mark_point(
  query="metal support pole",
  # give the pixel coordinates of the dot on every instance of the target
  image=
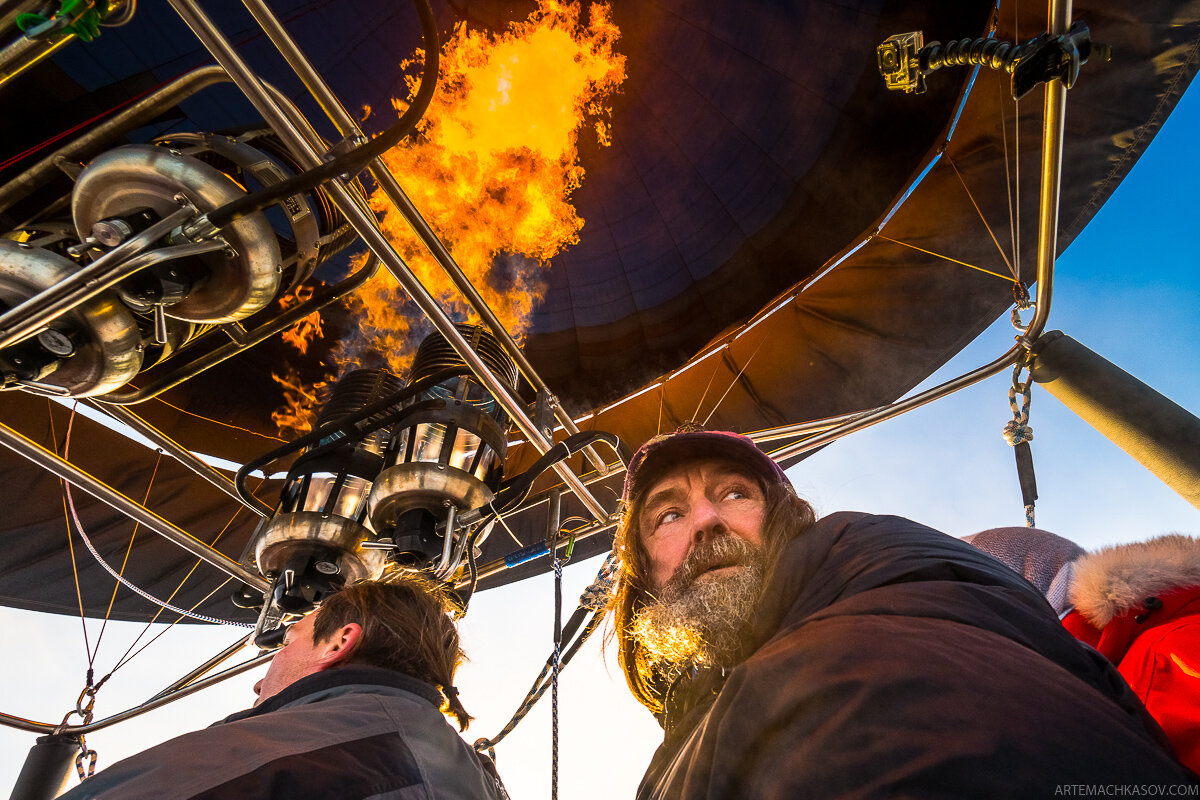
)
(206, 667)
(1052, 136)
(1054, 116)
(136, 511)
(367, 227)
(98, 136)
(308, 75)
(182, 455)
(11, 9)
(8, 720)
(24, 53)
(348, 126)
(805, 428)
(1161, 435)
(30, 316)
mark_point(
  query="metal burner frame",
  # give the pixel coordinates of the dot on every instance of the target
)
(294, 129)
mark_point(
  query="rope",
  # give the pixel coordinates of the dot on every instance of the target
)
(129, 548)
(595, 598)
(555, 668)
(130, 653)
(218, 422)
(71, 544)
(99, 560)
(1008, 184)
(1000, 275)
(1016, 190)
(537, 690)
(737, 377)
(711, 378)
(982, 218)
(662, 399)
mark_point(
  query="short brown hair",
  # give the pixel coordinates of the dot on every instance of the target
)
(786, 517)
(406, 627)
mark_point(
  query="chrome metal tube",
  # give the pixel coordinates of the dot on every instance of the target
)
(98, 136)
(206, 667)
(348, 126)
(44, 727)
(805, 428)
(448, 540)
(181, 454)
(114, 266)
(308, 75)
(367, 227)
(460, 549)
(887, 412)
(136, 511)
(24, 53)
(11, 9)
(1055, 112)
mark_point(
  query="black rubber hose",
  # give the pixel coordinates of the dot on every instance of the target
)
(512, 494)
(354, 160)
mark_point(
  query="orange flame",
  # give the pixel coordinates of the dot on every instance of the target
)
(495, 165)
(306, 329)
(493, 169)
(300, 403)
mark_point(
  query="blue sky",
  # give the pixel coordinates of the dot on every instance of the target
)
(1128, 288)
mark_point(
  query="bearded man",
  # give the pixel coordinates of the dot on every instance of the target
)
(854, 656)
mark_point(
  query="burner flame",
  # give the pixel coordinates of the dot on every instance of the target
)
(492, 169)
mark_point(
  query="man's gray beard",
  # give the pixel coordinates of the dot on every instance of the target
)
(703, 620)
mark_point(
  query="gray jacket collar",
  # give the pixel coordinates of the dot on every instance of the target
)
(334, 682)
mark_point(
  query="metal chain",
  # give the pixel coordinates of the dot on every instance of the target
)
(1018, 433)
(87, 755)
(1021, 302)
(85, 713)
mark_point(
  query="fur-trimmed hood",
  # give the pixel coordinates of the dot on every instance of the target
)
(1115, 580)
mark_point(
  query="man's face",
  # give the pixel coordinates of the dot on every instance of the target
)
(691, 506)
(299, 657)
(701, 529)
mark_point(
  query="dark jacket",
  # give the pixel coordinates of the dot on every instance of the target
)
(893, 661)
(344, 733)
